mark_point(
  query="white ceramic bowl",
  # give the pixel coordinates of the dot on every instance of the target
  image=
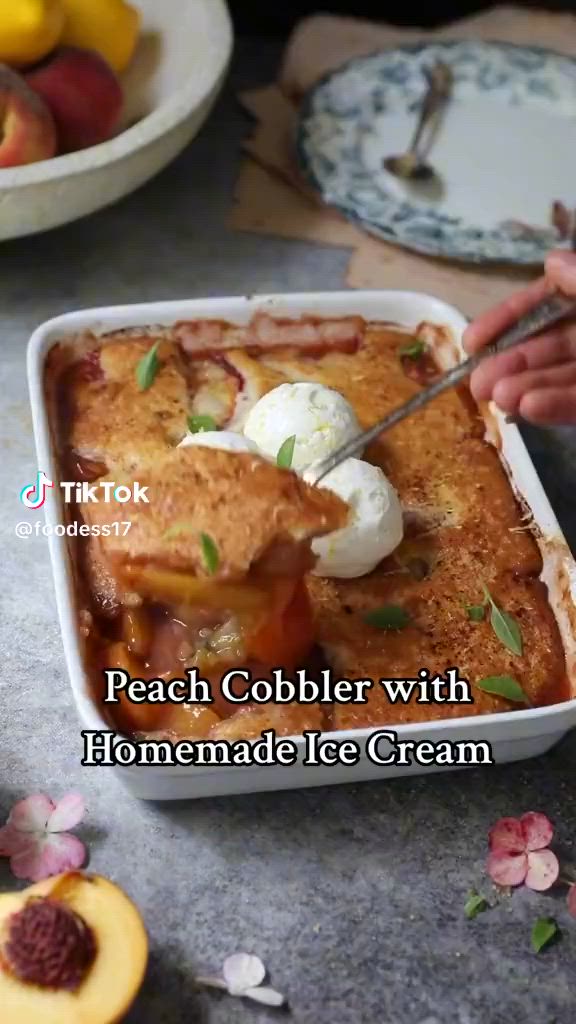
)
(170, 88)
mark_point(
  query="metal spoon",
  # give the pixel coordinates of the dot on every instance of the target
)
(545, 314)
(411, 165)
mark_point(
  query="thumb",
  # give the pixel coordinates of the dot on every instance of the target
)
(561, 271)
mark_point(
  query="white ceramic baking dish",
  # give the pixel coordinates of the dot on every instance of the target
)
(513, 735)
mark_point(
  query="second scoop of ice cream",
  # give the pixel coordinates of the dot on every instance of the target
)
(375, 528)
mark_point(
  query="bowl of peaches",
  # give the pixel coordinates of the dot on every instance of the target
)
(98, 96)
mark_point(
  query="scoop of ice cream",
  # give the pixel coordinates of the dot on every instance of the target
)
(375, 528)
(226, 440)
(319, 417)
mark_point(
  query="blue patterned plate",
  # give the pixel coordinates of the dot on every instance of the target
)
(505, 151)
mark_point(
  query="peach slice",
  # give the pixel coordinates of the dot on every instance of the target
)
(130, 717)
(73, 950)
(189, 721)
(179, 587)
(137, 631)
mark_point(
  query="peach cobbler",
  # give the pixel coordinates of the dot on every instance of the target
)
(400, 560)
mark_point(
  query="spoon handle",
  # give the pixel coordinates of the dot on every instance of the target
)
(545, 314)
(439, 80)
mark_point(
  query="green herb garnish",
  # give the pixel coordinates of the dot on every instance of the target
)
(543, 931)
(196, 424)
(286, 453)
(209, 553)
(476, 612)
(389, 616)
(414, 349)
(505, 626)
(475, 904)
(148, 368)
(503, 686)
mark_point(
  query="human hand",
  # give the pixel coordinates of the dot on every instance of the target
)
(536, 380)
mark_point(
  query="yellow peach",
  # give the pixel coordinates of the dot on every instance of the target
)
(73, 950)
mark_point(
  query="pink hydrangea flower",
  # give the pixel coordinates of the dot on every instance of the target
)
(36, 840)
(518, 852)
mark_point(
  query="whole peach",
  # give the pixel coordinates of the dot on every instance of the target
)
(27, 130)
(83, 93)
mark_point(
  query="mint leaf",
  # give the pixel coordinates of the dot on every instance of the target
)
(414, 349)
(505, 626)
(389, 616)
(543, 931)
(198, 423)
(286, 453)
(209, 553)
(147, 368)
(476, 612)
(503, 686)
(475, 904)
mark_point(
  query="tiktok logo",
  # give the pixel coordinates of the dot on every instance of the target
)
(34, 495)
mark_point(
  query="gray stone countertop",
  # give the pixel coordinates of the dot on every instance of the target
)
(352, 895)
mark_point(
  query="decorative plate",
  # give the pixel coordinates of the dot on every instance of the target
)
(505, 150)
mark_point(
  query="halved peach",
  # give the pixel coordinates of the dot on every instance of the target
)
(72, 909)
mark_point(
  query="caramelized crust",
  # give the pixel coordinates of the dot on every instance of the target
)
(106, 590)
(244, 503)
(116, 423)
(312, 333)
(464, 528)
(439, 636)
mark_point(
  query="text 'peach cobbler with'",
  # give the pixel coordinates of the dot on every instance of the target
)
(414, 556)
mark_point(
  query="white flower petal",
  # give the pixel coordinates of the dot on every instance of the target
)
(242, 971)
(68, 813)
(268, 996)
(32, 813)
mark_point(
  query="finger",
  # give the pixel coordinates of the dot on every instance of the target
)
(561, 271)
(550, 406)
(509, 392)
(553, 347)
(492, 323)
